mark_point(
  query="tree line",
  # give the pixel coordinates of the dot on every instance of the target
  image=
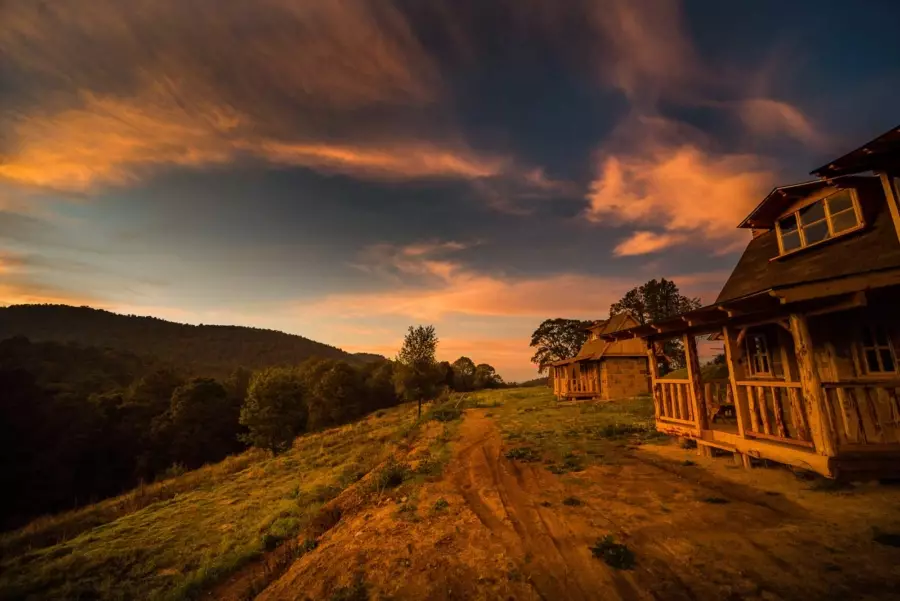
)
(80, 423)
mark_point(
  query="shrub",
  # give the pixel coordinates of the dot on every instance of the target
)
(445, 412)
(440, 504)
(391, 475)
(526, 454)
(613, 554)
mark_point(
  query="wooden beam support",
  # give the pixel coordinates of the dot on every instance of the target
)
(893, 202)
(856, 300)
(820, 422)
(698, 403)
(731, 362)
(653, 369)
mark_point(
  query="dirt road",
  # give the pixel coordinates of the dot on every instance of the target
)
(705, 531)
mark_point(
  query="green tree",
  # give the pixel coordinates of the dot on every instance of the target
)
(336, 397)
(558, 339)
(380, 392)
(487, 377)
(203, 421)
(275, 409)
(463, 374)
(417, 377)
(654, 301)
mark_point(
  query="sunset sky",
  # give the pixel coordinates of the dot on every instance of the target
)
(342, 170)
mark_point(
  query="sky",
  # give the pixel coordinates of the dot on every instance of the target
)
(345, 169)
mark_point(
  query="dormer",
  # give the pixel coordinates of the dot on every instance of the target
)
(811, 213)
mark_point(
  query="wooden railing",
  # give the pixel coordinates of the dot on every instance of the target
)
(672, 401)
(864, 412)
(774, 410)
(578, 386)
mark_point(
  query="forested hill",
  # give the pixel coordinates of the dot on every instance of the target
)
(205, 349)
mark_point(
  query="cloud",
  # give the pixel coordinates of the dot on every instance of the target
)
(692, 194)
(774, 118)
(644, 242)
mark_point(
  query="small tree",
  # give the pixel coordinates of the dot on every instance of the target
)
(203, 422)
(275, 409)
(336, 397)
(417, 377)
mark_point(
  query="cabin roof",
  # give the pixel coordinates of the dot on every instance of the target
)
(873, 248)
(883, 151)
(780, 198)
(594, 350)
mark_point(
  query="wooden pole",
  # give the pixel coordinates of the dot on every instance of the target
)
(820, 423)
(778, 411)
(730, 360)
(698, 403)
(653, 369)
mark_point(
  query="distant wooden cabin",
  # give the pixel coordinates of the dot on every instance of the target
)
(810, 325)
(604, 369)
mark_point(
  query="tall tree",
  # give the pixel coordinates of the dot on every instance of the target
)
(656, 300)
(417, 375)
(463, 374)
(204, 424)
(558, 339)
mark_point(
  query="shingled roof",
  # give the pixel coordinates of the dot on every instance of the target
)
(873, 248)
(883, 151)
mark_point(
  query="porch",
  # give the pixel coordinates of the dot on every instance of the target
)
(804, 387)
(577, 380)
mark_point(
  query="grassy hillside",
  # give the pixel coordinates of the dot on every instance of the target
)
(204, 349)
(181, 536)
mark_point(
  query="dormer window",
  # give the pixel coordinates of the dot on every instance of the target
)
(816, 222)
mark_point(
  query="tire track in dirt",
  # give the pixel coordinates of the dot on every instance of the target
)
(502, 494)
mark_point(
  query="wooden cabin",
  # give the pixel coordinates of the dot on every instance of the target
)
(604, 369)
(810, 325)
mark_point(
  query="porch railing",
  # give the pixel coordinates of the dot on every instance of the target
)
(774, 410)
(579, 386)
(864, 412)
(673, 401)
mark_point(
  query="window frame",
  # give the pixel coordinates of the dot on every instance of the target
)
(862, 349)
(860, 222)
(752, 356)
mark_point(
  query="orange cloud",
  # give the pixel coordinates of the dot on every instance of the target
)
(668, 180)
(643, 242)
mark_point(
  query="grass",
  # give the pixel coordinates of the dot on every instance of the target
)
(175, 539)
(567, 437)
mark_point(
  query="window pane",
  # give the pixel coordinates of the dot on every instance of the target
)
(790, 241)
(881, 337)
(765, 365)
(788, 224)
(812, 212)
(872, 361)
(816, 232)
(867, 337)
(840, 201)
(887, 361)
(844, 221)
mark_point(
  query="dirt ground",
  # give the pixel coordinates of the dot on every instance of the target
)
(699, 528)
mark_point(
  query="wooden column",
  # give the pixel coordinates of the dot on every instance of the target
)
(893, 202)
(820, 423)
(653, 369)
(698, 403)
(731, 361)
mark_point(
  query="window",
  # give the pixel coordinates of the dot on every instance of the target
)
(821, 220)
(877, 352)
(758, 354)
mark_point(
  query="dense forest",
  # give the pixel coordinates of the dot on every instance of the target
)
(79, 423)
(204, 350)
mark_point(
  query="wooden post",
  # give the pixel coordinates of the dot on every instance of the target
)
(698, 403)
(892, 200)
(653, 368)
(778, 411)
(751, 407)
(730, 360)
(763, 409)
(820, 423)
(798, 415)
